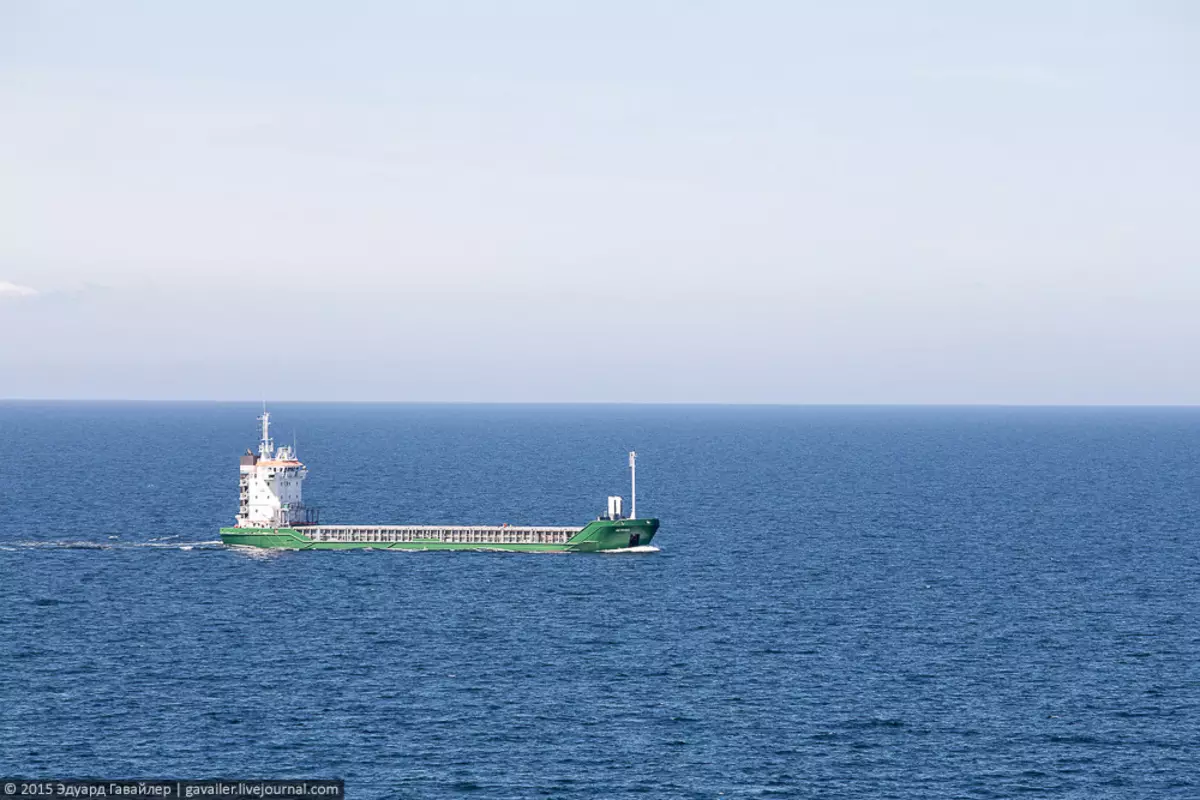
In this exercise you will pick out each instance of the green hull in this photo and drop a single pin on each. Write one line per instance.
(594, 537)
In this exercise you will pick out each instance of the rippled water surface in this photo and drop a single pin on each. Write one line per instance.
(870, 603)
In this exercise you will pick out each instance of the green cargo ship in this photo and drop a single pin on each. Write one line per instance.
(272, 514)
(604, 534)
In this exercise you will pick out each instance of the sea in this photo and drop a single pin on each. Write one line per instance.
(842, 602)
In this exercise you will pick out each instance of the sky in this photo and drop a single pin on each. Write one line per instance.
(732, 202)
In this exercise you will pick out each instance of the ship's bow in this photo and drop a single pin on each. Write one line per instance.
(614, 534)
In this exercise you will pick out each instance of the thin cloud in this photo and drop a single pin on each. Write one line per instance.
(1029, 75)
(16, 290)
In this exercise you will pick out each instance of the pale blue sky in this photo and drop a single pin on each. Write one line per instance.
(799, 202)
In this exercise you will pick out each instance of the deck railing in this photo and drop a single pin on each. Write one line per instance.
(450, 535)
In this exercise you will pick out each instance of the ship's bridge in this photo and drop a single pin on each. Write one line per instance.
(270, 490)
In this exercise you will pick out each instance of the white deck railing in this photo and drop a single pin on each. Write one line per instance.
(481, 534)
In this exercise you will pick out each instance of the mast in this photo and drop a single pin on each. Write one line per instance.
(633, 484)
(266, 448)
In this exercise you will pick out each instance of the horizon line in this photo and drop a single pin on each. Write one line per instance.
(664, 403)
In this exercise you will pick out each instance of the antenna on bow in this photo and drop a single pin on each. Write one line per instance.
(633, 484)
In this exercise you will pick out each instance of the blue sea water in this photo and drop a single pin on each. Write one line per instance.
(847, 603)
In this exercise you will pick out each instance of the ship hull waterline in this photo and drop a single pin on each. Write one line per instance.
(597, 536)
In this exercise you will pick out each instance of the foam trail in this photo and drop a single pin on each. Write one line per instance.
(64, 544)
(644, 548)
(249, 551)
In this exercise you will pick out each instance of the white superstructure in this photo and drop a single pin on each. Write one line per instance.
(270, 486)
